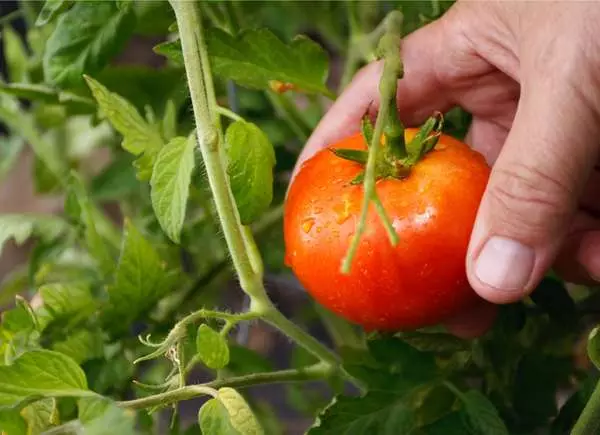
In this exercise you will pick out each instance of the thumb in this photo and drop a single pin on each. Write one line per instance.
(533, 191)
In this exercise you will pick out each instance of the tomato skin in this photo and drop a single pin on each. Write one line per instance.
(420, 282)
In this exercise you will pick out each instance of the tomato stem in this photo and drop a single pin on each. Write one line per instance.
(392, 70)
(240, 242)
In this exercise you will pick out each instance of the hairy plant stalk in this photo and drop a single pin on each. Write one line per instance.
(246, 259)
(392, 70)
(314, 372)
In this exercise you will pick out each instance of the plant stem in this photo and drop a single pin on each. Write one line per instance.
(274, 317)
(361, 45)
(209, 138)
(392, 70)
(314, 372)
(253, 252)
(589, 420)
(369, 186)
(229, 113)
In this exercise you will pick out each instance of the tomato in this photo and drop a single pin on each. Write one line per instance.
(419, 282)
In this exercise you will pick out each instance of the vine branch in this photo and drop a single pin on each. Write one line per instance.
(314, 372)
(392, 70)
(246, 260)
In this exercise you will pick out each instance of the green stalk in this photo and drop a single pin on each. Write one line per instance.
(193, 47)
(392, 70)
(314, 372)
(589, 420)
(361, 45)
(273, 316)
(246, 262)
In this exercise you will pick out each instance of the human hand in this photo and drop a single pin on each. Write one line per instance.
(528, 72)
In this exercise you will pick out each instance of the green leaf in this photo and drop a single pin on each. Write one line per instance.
(537, 384)
(80, 208)
(15, 54)
(552, 296)
(81, 346)
(101, 416)
(251, 159)
(153, 18)
(169, 121)
(30, 91)
(85, 39)
(374, 413)
(214, 419)
(243, 361)
(357, 156)
(17, 319)
(451, 424)
(38, 92)
(11, 423)
(41, 373)
(482, 414)
(22, 124)
(51, 9)
(426, 138)
(434, 341)
(170, 184)
(22, 227)
(116, 181)
(44, 180)
(212, 347)
(241, 416)
(65, 300)
(145, 86)
(138, 135)
(171, 50)
(10, 150)
(436, 403)
(391, 366)
(141, 278)
(110, 374)
(13, 283)
(41, 415)
(257, 58)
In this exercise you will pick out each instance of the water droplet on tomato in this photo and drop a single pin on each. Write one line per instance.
(342, 211)
(307, 225)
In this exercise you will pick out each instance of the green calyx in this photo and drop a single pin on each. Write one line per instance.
(396, 157)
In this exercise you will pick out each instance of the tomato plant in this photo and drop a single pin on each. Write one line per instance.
(160, 138)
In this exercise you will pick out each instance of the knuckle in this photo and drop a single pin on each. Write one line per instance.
(528, 200)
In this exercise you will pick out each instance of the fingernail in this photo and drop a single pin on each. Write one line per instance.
(504, 264)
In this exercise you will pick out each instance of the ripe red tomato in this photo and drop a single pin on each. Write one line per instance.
(422, 280)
